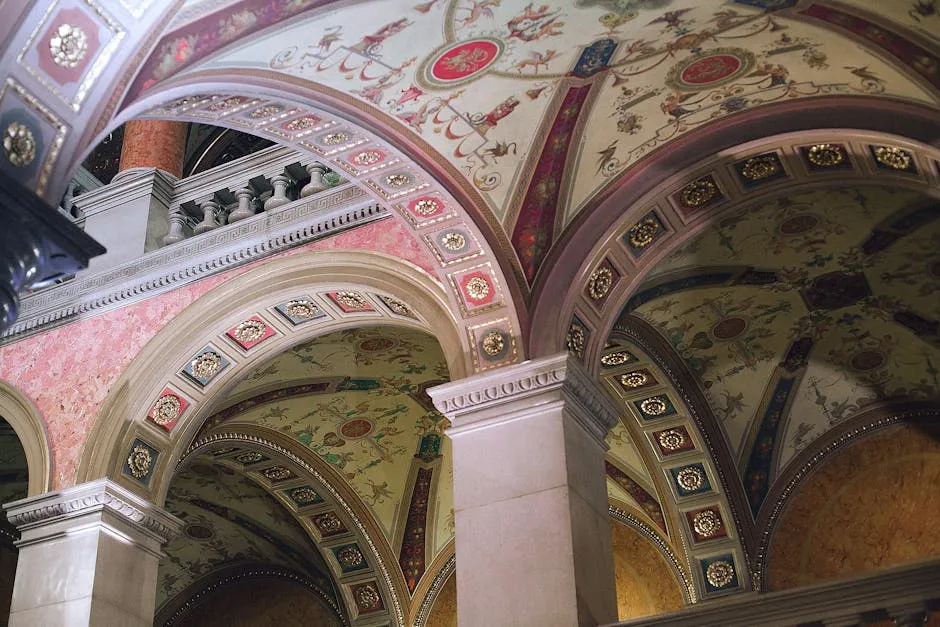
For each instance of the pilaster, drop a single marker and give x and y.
(530, 498)
(88, 556)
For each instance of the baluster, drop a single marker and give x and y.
(279, 198)
(315, 185)
(246, 207)
(209, 210)
(177, 220)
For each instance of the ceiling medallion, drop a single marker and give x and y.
(427, 207)
(68, 45)
(493, 343)
(206, 365)
(635, 380)
(250, 331)
(643, 232)
(707, 523)
(654, 406)
(353, 300)
(334, 139)
(249, 457)
(615, 359)
(719, 574)
(367, 597)
(349, 557)
(477, 288)
(698, 193)
(893, 158)
(397, 180)
(672, 439)
(19, 145)
(302, 309)
(367, 157)
(140, 461)
(304, 496)
(574, 340)
(265, 111)
(166, 409)
(825, 155)
(600, 282)
(277, 473)
(760, 168)
(690, 479)
(453, 241)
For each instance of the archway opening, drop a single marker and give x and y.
(14, 485)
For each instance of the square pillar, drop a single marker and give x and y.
(88, 555)
(530, 495)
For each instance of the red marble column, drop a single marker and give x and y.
(154, 144)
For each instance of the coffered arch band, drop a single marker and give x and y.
(123, 417)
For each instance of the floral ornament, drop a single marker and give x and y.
(719, 574)
(250, 331)
(367, 157)
(350, 557)
(690, 479)
(277, 473)
(166, 409)
(302, 309)
(707, 523)
(493, 343)
(249, 457)
(477, 288)
(643, 232)
(600, 282)
(698, 193)
(367, 597)
(760, 168)
(397, 180)
(304, 496)
(265, 111)
(575, 339)
(453, 241)
(635, 380)
(893, 158)
(427, 207)
(140, 461)
(206, 365)
(397, 307)
(352, 300)
(654, 406)
(68, 45)
(616, 359)
(826, 155)
(334, 139)
(671, 439)
(19, 144)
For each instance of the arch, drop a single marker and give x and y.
(419, 300)
(595, 235)
(30, 428)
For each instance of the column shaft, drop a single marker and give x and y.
(530, 498)
(88, 556)
(157, 144)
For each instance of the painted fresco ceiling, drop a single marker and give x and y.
(230, 520)
(540, 105)
(797, 315)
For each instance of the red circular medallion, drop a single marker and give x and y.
(464, 59)
(710, 69)
(356, 428)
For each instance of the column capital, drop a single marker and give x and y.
(47, 514)
(500, 395)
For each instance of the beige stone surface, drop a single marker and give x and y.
(646, 585)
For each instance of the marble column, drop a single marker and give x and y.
(530, 496)
(88, 556)
(157, 144)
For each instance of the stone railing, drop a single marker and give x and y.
(162, 233)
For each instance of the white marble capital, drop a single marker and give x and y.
(88, 555)
(488, 399)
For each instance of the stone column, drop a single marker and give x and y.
(157, 144)
(530, 496)
(88, 556)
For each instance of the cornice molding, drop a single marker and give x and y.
(901, 592)
(467, 402)
(91, 498)
(171, 267)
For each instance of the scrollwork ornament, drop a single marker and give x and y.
(600, 282)
(893, 158)
(719, 574)
(68, 45)
(140, 461)
(19, 144)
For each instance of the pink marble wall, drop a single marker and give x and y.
(67, 372)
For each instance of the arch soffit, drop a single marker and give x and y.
(391, 292)
(478, 269)
(688, 202)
